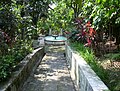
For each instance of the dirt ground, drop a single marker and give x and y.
(112, 66)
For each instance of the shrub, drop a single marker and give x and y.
(90, 58)
(9, 61)
(6, 64)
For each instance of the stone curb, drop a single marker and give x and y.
(84, 78)
(23, 70)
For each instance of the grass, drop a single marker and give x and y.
(113, 56)
(95, 64)
(111, 63)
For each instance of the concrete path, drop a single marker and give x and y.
(51, 75)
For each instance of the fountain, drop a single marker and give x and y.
(55, 39)
(50, 32)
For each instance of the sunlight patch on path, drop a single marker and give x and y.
(51, 75)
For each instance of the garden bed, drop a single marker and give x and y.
(108, 71)
(82, 75)
(112, 66)
(22, 71)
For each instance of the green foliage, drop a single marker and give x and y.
(16, 33)
(9, 61)
(76, 5)
(59, 18)
(21, 49)
(6, 63)
(8, 21)
(104, 74)
(89, 56)
(113, 56)
(102, 13)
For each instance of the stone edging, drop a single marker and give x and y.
(84, 78)
(23, 70)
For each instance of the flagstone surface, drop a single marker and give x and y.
(52, 73)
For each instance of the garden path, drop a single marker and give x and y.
(52, 74)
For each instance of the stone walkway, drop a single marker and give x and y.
(51, 75)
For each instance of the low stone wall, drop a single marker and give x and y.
(84, 78)
(23, 70)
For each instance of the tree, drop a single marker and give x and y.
(58, 18)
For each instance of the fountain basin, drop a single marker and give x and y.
(55, 40)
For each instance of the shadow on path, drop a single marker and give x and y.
(51, 75)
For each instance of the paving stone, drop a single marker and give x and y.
(52, 74)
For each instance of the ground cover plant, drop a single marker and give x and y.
(95, 24)
(108, 74)
(104, 59)
(11, 59)
(95, 27)
(18, 28)
(103, 18)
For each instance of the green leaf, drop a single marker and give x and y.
(98, 1)
(79, 2)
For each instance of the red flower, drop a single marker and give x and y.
(88, 24)
(91, 31)
(88, 42)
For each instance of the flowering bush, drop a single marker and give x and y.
(84, 32)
